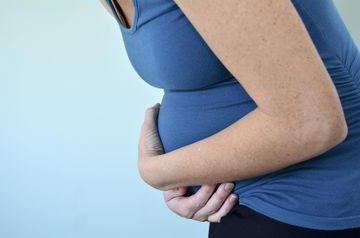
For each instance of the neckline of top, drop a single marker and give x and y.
(135, 17)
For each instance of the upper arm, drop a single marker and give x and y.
(265, 45)
(106, 5)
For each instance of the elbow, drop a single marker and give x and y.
(326, 132)
(336, 130)
(342, 131)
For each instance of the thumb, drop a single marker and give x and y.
(150, 137)
(151, 114)
(172, 193)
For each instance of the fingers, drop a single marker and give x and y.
(172, 193)
(200, 198)
(149, 142)
(187, 206)
(149, 125)
(224, 210)
(151, 114)
(215, 202)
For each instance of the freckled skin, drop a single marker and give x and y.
(299, 114)
(271, 54)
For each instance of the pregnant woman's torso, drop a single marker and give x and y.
(201, 97)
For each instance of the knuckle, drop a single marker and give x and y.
(208, 189)
(201, 219)
(170, 206)
(196, 204)
(187, 214)
(178, 211)
(211, 210)
(214, 219)
(223, 194)
(174, 205)
(199, 204)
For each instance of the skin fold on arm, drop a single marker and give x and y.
(266, 47)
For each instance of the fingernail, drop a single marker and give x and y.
(233, 197)
(229, 187)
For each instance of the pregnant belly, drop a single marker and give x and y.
(311, 187)
(188, 116)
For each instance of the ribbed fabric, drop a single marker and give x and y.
(201, 98)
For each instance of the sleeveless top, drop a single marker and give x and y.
(201, 97)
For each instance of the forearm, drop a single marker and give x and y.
(254, 145)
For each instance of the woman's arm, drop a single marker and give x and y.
(265, 45)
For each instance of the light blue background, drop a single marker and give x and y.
(71, 107)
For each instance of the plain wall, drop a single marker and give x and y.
(71, 107)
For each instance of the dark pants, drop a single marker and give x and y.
(243, 222)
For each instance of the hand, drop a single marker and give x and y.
(204, 205)
(150, 144)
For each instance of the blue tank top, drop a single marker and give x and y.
(201, 97)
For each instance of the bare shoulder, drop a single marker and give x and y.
(267, 48)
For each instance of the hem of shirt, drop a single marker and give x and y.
(302, 220)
